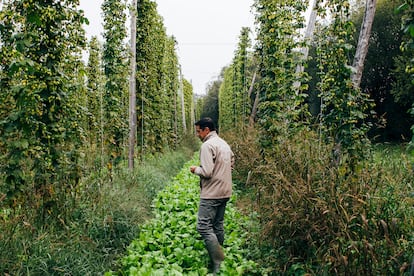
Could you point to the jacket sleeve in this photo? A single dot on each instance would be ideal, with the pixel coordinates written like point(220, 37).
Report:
point(207, 157)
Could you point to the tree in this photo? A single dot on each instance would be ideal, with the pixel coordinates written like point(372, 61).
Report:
point(241, 103)
point(149, 52)
point(407, 8)
point(384, 74)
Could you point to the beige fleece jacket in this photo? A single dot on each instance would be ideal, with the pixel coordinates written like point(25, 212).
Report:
point(216, 164)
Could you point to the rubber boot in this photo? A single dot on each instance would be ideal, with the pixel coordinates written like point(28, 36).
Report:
point(216, 255)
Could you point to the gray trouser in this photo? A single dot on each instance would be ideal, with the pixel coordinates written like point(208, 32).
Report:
point(210, 222)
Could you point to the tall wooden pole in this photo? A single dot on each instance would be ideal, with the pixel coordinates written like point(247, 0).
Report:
point(308, 38)
point(132, 88)
point(363, 42)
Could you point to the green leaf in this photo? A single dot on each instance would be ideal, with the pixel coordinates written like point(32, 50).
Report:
point(403, 7)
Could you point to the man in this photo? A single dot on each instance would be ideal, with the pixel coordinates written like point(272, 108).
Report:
point(216, 164)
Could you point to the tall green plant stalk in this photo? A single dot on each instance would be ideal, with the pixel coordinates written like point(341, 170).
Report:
point(189, 106)
point(152, 126)
point(240, 86)
point(225, 102)
point(157, 73)
point(173, 92)
point(278, 37)
point(94, 101)
point(40, 126)
point(115, 63)
point(234, 103)
point(344, 107)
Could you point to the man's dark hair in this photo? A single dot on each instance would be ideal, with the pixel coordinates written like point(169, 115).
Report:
point(206, 122)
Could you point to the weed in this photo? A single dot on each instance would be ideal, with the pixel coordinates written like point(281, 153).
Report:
point(320, 219)
point(101, 218)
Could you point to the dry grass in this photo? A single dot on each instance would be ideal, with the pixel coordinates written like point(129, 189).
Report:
point(322, 219)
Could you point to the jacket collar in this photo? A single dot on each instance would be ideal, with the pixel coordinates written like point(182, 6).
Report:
point(210, 135)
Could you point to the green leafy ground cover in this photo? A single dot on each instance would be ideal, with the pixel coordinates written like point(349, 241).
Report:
point(169, 244)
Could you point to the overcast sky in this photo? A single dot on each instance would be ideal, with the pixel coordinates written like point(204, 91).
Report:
point(207, 32)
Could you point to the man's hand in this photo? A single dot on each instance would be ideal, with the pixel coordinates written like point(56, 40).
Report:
point(192, 169)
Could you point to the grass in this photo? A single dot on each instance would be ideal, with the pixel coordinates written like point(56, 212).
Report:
point(104, 215)
point(321, 220)
point(304, 217)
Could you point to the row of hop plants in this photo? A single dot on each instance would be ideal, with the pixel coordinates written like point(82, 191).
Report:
point(169, 244)
point(321, 219)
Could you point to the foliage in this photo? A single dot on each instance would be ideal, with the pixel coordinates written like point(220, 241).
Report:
point(63, 212)
point(211, 101)
point(233, 101)
point(188, 106)
point(115, 65)
point(318, 220)
point(103, 219)
point(199, 104)
point(157, 74)
point(385, 79)
point(403, 88)
point(278, 39)
point(344, 108)
point(169, 244)
point(248, 155)
point(407, 9)
point(170, 87)
point(47, 112)
point(94, 99)
point(313, 98)
point(152, 132)
point(40, 114)
point(225, 106)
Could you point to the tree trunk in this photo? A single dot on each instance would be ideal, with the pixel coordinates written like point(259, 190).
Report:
point(132, 88)
point(363, 42)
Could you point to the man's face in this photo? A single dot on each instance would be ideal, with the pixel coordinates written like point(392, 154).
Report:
point(202, 133)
